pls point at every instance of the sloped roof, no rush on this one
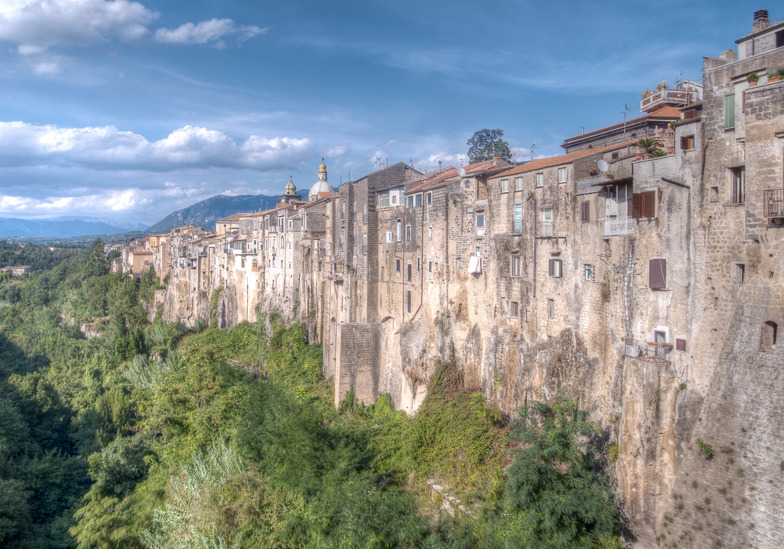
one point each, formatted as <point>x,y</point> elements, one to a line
<point>550,161</point>
<point>664,113</point>
<point>432,180</point>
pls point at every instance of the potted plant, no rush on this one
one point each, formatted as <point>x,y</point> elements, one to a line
<point>775,76</point>
<point>648,145</point>
<point>752,79</point>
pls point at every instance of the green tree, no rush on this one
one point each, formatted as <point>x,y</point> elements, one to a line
<point>486,145</point>
<point>555,497</point>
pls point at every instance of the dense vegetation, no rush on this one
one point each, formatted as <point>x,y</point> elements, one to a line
<point>156,436</point>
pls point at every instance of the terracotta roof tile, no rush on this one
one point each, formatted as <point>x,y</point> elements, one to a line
<point>550,161</point>
<point>664,112</point>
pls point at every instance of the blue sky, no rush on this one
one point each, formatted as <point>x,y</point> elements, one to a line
<point>129,110</point>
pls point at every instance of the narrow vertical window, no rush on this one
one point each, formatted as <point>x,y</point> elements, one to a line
<point>518,219</point>
<point>729,111</point>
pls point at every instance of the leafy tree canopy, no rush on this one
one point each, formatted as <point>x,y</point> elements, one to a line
<point>487,144</point>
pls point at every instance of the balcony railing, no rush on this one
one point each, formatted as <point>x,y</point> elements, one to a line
<point>617,226</point>
<point>665,96</point>
<point>773,201</point>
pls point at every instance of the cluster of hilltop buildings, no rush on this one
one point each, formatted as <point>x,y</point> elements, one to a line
<point>645,278</point>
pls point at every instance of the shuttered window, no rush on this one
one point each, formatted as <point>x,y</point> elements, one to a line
<point>554,268</point>
<point>729,111</point>
<point>644,205</point>
<point>585,211</point>
<point>657,274</point>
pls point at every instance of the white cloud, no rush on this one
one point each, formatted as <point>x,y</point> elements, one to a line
<point>213,30</point>
<point>110,148</point>
<point>46,67</point>
<point>36,25</point>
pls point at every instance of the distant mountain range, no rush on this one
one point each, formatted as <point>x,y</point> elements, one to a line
<point>80,230</point>
<point>61,227</point>
<point>207,212</point>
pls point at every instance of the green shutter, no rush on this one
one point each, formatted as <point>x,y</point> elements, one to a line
<point>729,111</point>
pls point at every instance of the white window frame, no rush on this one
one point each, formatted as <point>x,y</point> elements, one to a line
<point>539,179</point>
<point>519,183</point>
<point>562,174</point>
<point>504,186</point>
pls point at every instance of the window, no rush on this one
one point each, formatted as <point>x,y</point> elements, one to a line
<point>389,236</point>
<point>408,272</point>
<point>459,263</point>
<point>504,185</point>
<point>644,205</point>
<point>430,198</point>
<point>364,214</point>
<point>585,211</point>
<point>408,233</point>
<point>481,189</point>
<point>394,198</point>
<point>383,200</point>
<point>588,270</point>
<point>430,266</point>
<point>769,334</point>
<point>657,274</point>
<point>410,201</point>
<point>687,142</point>
<point>291,224</point>
<point>519,183</point>
<point>562,175</point>
<point>408,301</point>
<point>729,111</point>
<point>547,222</point>
<point>419,264</point>
<point>554,268</point>
<point>740,272</point>
<point>518,219</point>
<point>480,219</point>
<point>516,265</point>
<point>397,266</point>
<point>680,344</point>
<point>399,230</point>
<point>539,179</point>
<point>714,194</point>
<point>514,309</point>
<point>430,233</point>
<point>738,184</point>
<point>382,272</point>
<point>418,199</point>
<point>550,309</point>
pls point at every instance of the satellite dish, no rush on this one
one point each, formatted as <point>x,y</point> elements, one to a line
<point>461,172</point>
<point>603,166</point>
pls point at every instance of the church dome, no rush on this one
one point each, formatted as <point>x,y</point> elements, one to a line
<point>290,188</point>
<point>322,185</point>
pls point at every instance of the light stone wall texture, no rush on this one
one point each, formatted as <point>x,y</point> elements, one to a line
<point>659,368</point>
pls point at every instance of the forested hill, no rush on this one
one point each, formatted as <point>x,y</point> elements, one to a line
<point>207,212</point>
<point>158,436</point>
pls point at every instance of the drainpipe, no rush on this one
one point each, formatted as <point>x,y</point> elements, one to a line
<point>533,248</point>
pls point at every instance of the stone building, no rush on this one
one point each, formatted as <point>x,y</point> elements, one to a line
<point>649,288</point>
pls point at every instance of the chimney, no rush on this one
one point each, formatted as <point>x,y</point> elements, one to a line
<point>761,20</point>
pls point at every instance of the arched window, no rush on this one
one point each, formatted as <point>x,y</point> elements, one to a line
<point>769,333</point>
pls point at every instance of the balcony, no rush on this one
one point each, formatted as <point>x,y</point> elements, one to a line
<point>618,226</point>
<point>680,96</point>
<point>773,204</point>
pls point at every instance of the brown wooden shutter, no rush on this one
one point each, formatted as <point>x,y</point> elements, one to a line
<point>657,274</point>
<point>649,204</point>
<point>585,211</point>
<point>551,267</point>
<point>636,206</point>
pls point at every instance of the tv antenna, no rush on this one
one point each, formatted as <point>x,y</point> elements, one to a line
<point>533,146</point>
<point>625,110</point>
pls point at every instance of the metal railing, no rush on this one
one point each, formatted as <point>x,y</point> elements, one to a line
<point>773,200</point>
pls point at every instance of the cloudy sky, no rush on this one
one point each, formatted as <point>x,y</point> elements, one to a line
<point>129,110</point>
